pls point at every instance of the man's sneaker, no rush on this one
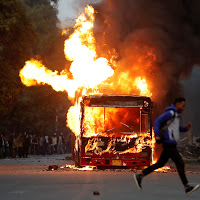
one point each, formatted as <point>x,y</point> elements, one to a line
<point>138,180</point>
<point>189,189</point>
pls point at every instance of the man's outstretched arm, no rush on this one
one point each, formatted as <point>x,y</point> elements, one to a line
<point>185,128</point>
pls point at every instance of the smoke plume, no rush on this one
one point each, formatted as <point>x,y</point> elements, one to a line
<point>157,39</point>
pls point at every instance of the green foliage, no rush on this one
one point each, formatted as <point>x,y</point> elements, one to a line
<point>49,45</point>
<point>9,91</point>
<point>30,31</point>
<point>45,22</point>
<point>37,111</point>
<point>17,33</point>
<point>16,37</point>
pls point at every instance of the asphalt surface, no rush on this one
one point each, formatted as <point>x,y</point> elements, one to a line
<point>27,179</point>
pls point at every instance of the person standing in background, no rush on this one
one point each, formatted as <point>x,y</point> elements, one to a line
<point>46,144</point>
<point>1,146</point>
<point>10,143</point>
<point>54,143</point>
<point>20,145</point>
<point>60,144</point>
<point>26,145</point>
<point>15,146</point>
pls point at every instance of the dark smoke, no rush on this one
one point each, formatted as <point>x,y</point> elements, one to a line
<point>170,30</point>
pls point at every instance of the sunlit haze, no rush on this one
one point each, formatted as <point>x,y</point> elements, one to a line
<point>70,8</point>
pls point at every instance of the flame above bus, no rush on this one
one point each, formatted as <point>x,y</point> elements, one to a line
<point>90,73</point>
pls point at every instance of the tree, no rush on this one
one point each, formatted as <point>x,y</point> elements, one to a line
<point>49,44</point>
<point>39,111</point>
<point>36,109</point>
<point>16,37</point>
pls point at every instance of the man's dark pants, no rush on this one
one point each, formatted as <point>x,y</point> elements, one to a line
<point>169,151</point>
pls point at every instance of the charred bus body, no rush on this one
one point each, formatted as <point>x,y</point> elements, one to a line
<point>115,131</point>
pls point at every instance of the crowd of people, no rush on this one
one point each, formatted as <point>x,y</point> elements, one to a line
<point>22,145</point>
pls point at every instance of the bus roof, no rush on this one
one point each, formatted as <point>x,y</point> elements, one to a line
<point>116,101</point>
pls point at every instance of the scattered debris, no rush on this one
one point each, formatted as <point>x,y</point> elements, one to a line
<point>198,140</point>
<point>190,151</point>
<point>96,193</point>
<point>52,167</point>
<point>73,167</point>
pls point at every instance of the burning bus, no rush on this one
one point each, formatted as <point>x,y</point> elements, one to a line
<point>110,130</point>
<point>115,131</point>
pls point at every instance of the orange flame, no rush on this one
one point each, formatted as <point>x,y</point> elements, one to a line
<point>87,69</point>
<point>127,83</point>
<point>64,31</point>
<point>155,159</point>
<point>142,85</point>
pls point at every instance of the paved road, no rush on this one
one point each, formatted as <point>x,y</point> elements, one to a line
<point>80,185</point>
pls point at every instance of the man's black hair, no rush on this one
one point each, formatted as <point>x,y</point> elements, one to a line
<point>179,100</point>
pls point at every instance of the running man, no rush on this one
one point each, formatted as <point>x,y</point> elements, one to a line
<point>169,122</point>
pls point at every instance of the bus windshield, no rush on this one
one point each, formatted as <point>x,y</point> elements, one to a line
<point>107,121</point>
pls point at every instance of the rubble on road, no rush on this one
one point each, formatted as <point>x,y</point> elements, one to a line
<point>96,193</point>
<point>52,167</point>
<point>190,151</point>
